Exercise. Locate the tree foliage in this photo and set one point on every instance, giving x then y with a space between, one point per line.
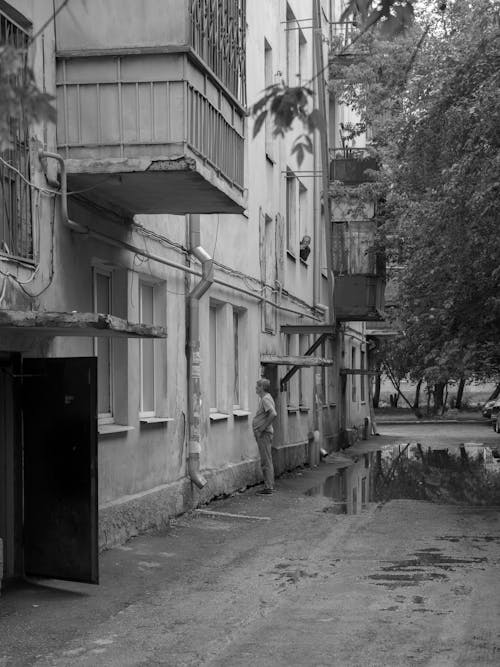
21 101
432 100
286 106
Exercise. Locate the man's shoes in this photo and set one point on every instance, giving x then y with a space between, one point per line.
264 492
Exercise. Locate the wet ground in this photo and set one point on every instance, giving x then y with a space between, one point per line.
320 573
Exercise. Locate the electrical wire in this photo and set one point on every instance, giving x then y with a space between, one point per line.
21 284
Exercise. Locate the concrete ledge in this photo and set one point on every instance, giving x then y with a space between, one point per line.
123 519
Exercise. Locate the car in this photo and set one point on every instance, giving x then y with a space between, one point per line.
495 416
488 406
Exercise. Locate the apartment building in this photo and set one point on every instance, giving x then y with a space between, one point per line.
151 272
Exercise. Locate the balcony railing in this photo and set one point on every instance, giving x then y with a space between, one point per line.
150 114
213 138
120 115
218 34
359 298
351 166
355 249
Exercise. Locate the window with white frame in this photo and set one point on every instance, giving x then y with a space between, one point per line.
303 221
236 348
353 376
291 47
103 347
212 326
268 81
303 347
302 59
362 377
147 351
291 212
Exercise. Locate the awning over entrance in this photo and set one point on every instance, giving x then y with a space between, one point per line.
287 360
75 324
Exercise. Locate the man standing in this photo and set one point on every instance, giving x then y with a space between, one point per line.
263 432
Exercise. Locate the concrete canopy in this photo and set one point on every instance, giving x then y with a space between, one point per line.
75 324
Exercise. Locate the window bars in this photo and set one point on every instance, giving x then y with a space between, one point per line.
16 233
218 32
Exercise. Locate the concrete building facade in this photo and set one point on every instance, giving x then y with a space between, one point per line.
151 272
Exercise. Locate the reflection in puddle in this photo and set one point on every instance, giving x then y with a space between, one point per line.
468 474
350 489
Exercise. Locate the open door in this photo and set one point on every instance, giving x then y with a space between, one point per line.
59 400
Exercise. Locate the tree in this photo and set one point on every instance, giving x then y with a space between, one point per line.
431 99
288 106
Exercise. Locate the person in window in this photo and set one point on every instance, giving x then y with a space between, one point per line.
305 248
263 432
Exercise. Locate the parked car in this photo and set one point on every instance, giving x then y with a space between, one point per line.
495 416
488 406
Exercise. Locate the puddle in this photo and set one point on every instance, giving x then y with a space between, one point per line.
425 565
468 474
350 489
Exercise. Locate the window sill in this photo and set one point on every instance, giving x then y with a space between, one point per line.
304 263
304 408
155 420
329 405
218 416
270 158
111 429
291 255
241 413
292 408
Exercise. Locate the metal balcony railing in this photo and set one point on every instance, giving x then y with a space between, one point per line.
218 35
16 226
125 108
351 166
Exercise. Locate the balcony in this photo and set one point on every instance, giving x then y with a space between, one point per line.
351 166
150 104
359 298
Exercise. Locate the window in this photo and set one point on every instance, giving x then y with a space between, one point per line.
303 347
302 59
362 377
268 81
103 347
303 222
290 212
236 346
353 377
291 47
16 230
288 347
213 356
269 271
147 351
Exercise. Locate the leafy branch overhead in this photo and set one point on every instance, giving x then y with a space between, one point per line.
20 97
283 105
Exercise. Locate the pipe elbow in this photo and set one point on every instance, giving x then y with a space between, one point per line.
194 471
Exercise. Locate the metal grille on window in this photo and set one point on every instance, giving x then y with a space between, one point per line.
16 233
218 32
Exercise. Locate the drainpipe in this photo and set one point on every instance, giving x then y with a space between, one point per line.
194 384
74 226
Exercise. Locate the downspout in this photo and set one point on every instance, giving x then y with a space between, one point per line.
194 384
74 226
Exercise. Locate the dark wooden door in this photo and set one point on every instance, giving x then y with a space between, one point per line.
60 468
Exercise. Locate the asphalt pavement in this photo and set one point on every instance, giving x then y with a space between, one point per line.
282 580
